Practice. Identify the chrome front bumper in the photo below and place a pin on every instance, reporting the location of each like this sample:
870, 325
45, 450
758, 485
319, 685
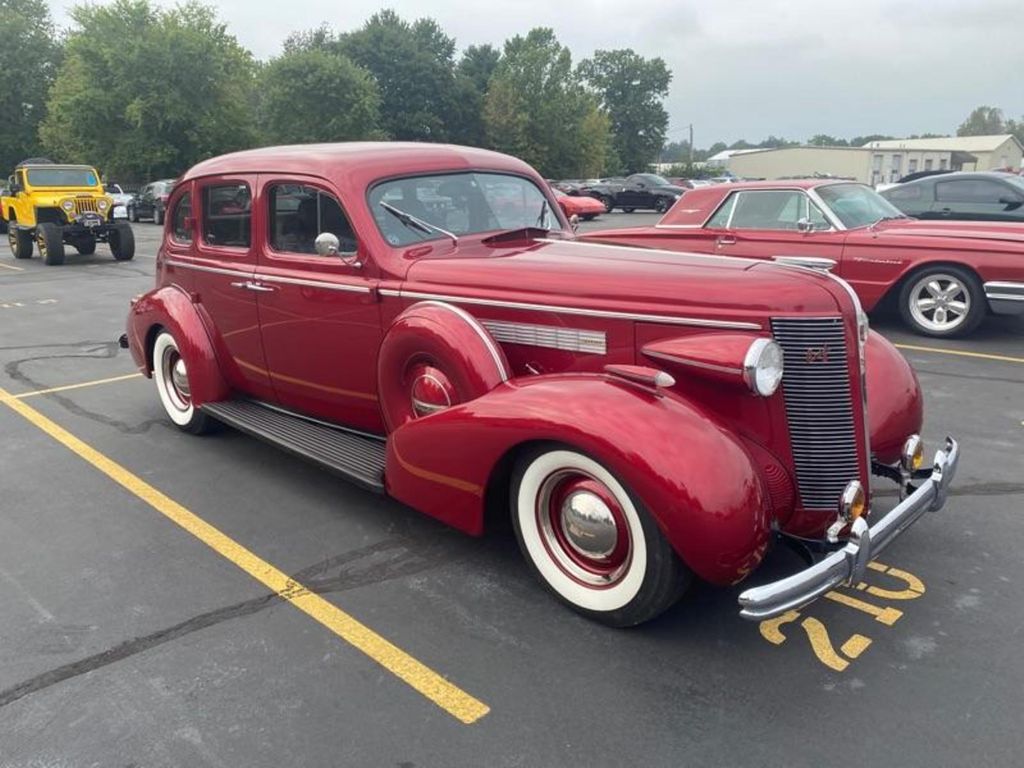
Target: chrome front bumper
847, 565
1005, 298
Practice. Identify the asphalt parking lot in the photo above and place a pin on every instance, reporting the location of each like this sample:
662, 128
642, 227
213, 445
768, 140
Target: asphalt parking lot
133, 635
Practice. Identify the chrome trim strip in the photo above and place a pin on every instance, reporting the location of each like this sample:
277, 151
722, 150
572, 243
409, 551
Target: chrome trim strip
667, 319
846, 566
548, 336
694, 363
261, 276
473, 323
1002, 290
211, 270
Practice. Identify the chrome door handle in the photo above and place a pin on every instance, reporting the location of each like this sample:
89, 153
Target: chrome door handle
726, 240
249, 285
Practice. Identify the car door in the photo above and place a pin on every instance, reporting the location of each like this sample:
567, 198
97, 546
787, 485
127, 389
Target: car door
977, 200
633, 192
914, 199
208, 252
775, 223
319, 314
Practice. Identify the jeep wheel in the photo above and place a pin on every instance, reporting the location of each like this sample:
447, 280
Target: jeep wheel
172, 385
122, 241
590, 540
50, 242
20, 240
85, 245
158, 215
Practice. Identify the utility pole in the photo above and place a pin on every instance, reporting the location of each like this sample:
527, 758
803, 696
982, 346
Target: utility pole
691, 147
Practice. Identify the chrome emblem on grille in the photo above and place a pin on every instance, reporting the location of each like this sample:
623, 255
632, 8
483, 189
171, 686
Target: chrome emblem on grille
816, 354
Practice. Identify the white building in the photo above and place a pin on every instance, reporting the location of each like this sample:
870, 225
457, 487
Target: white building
896, 157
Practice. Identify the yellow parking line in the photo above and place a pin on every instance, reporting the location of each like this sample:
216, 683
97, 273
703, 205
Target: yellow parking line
66, 387
426, 681
961, 353
12, 268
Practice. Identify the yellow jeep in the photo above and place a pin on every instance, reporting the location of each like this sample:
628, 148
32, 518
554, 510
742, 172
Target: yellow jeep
53, 205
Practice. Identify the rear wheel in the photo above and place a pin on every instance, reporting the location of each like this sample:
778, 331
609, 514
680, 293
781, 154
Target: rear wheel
942, 301
20, 241
133, 215
628, 210
122, 241
50, 242
662, 204
590, 540
172, 385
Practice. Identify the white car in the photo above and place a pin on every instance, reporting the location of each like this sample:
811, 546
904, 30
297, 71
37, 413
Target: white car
121, 199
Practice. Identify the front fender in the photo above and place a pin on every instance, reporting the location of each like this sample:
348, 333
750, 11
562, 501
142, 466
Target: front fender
170, 308
895, 405
693, 475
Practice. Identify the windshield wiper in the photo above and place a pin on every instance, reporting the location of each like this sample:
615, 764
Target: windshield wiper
412, 222
543, 215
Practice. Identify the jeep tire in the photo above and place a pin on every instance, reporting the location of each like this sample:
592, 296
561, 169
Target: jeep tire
20, 240
50, 242
122, 241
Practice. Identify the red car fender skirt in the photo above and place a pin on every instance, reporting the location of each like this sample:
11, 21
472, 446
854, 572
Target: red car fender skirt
895, 405
695, 477
170, 308
435, 356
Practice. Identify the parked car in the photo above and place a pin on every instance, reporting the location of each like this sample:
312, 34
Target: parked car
641, 190
944, 276
151, 202
963, 196
120, 198
624, 407
585, 207
48, 206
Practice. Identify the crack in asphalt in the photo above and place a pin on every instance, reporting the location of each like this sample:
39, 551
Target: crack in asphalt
376, 563
84, 350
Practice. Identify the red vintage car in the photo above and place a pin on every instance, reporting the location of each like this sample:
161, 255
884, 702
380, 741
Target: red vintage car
944, 276
585, 207
384, 311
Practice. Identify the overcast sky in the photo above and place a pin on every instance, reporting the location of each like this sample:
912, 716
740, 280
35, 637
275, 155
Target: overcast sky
741, 68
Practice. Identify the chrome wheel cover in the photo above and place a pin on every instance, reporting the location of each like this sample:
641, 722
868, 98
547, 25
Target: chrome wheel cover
940, 302
175, 379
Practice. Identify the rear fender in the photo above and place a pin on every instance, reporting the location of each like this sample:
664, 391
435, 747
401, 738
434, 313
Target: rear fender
895, 405
170, 308
693, 475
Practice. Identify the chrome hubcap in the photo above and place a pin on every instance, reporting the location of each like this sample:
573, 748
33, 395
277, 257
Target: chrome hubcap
940, 302
179, 377
175, 377
588, 525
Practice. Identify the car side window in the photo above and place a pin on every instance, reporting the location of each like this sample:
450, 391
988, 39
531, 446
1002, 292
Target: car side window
904, 192
227, 215
768, 209
969, 191
720, 220
817, 218
180, 230
298, 213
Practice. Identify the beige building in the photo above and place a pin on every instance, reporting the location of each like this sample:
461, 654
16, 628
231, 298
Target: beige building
881, 161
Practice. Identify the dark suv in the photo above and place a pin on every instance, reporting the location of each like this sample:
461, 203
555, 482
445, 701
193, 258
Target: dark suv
151, 202
974, 196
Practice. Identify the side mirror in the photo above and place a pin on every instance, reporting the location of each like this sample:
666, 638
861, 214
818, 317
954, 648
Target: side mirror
641, 185
804, 225
327, 244
15, 188
574, 222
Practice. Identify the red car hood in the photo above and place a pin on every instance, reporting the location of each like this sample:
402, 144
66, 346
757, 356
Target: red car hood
596, 277
987, 234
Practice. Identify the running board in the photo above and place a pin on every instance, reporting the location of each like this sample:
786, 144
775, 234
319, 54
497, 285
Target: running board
354, 456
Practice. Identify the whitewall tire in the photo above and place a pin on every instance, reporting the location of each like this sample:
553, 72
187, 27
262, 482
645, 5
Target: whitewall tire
170, 373
590, 540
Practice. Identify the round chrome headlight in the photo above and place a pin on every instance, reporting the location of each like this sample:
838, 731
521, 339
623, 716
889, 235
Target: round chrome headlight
68, 205
102, 205
762, 367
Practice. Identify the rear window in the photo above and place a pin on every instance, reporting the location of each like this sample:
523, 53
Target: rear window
227, 215
179, 221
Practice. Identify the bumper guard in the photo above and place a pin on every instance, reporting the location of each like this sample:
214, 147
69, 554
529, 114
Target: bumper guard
847, 565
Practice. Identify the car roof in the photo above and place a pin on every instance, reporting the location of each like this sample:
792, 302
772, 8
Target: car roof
363, 159
963, 175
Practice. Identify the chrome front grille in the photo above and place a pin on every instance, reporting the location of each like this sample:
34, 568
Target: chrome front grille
819, 408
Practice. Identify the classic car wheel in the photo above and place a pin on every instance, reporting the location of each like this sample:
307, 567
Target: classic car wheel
942, 301
171, 376
662, 204
20, 241
50, 242
122, 242
590, 541
85, 245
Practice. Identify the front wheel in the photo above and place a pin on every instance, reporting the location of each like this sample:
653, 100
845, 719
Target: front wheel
628, 210
607, 202
133, 215
20, 242
942, 301
122, 241
50, 242
662, 204
590, 540
172, 385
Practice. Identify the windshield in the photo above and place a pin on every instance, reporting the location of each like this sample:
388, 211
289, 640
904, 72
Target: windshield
460, 203
62, 177
857, 205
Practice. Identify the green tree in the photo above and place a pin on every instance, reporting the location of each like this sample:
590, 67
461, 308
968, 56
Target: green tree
145, 92
413, 65
1016, 127
983, 121
861, 141
472, 77
478, 64
631, 89
30, 61
535, 107
316, 95
824, 140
